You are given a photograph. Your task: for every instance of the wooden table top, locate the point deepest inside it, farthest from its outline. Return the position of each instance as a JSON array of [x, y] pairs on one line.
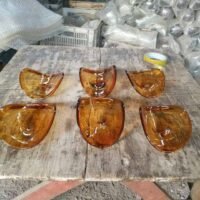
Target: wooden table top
[[64, 154]]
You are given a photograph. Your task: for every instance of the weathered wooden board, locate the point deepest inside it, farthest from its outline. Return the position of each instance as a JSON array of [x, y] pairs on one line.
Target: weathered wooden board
[[133, 157], [64, 155]]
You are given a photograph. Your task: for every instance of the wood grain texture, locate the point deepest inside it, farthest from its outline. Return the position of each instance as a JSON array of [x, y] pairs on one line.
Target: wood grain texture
[[64, 155]]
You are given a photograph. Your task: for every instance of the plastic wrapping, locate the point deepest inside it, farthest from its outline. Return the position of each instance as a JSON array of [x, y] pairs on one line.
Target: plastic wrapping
[[130, 20], [110, 14], [130, 35], [187, 44], [187, 16], [136, 2], [192, 61], [175, 28], [182, 4], [179, 6], [139, 13], [15, 31], [166, 3], [153, 22], [192, 29], [177, 21], [166, 12], [195, 4], [168, 43], [198, 16], [124, 7], [173, 44], [150, 6]]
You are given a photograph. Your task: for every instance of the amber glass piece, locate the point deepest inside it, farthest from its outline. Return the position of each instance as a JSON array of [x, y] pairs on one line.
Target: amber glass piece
[[149, 83], [25, 125], [101, 120], [38, 85], [98, 83], [168, 128]]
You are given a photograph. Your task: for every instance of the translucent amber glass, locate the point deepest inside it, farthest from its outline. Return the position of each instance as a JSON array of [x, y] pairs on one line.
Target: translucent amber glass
[[149, 83], [101, 120], [168, 128], [98, 83], [38, 85], [24, 126]]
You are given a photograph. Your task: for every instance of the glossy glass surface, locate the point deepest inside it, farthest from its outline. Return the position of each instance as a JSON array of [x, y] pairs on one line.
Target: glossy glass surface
[[101, 120], [149, 83], [98, 83], [168, 128], [24, 126], [38, 85]]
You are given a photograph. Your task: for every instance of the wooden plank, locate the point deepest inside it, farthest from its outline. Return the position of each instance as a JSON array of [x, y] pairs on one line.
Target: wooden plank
[[133, 157], [64, 155]]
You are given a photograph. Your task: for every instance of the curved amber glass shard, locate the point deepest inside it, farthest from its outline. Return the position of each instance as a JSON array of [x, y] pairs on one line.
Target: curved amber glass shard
[[149, 83], [25, 125], [38, 85], [98, 83], [101, 120], [168, 128]]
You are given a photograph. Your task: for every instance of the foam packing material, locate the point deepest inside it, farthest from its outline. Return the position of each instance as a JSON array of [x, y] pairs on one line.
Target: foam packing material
[[25, 22]]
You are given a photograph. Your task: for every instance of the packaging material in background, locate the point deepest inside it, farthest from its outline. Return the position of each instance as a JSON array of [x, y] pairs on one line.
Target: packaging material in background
[[168, 24], [26, 22]]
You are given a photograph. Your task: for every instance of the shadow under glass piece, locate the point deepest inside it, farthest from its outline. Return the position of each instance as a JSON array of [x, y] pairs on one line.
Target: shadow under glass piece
[[168, 128], [98, 83], [38, 85], [149, 83], [25, 125], [101, 120]]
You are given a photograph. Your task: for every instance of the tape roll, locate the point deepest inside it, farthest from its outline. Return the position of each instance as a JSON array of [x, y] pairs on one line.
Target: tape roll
[[155, 58]]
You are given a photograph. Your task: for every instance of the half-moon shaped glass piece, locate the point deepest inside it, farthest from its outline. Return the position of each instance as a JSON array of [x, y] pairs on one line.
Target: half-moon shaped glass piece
[[168, 128], [101, 120], [38, 85], [149, 83], [98, 83], [25, 125]]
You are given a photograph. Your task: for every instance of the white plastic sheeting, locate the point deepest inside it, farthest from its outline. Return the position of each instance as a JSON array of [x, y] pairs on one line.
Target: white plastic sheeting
[[131, 35], [137, 22], [24, 22]]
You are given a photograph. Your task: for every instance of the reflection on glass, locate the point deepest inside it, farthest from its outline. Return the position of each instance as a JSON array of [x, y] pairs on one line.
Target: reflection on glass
[[38, 85], [98, 83], [25, 125], [101, 120], [168, 128], [149, 83]]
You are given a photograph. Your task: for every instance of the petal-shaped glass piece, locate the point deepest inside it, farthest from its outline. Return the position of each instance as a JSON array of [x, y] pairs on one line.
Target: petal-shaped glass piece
[[98, 83], [149, 83], [25, 125], [168, 128], [38, 85], [101, 120]]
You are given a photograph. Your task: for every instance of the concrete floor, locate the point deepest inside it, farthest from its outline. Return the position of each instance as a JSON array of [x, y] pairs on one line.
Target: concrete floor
[[99, 191], [12, 188], [93, 190]]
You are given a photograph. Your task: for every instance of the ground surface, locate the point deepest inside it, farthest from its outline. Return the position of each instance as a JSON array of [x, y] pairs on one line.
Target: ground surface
[[93, 190]]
